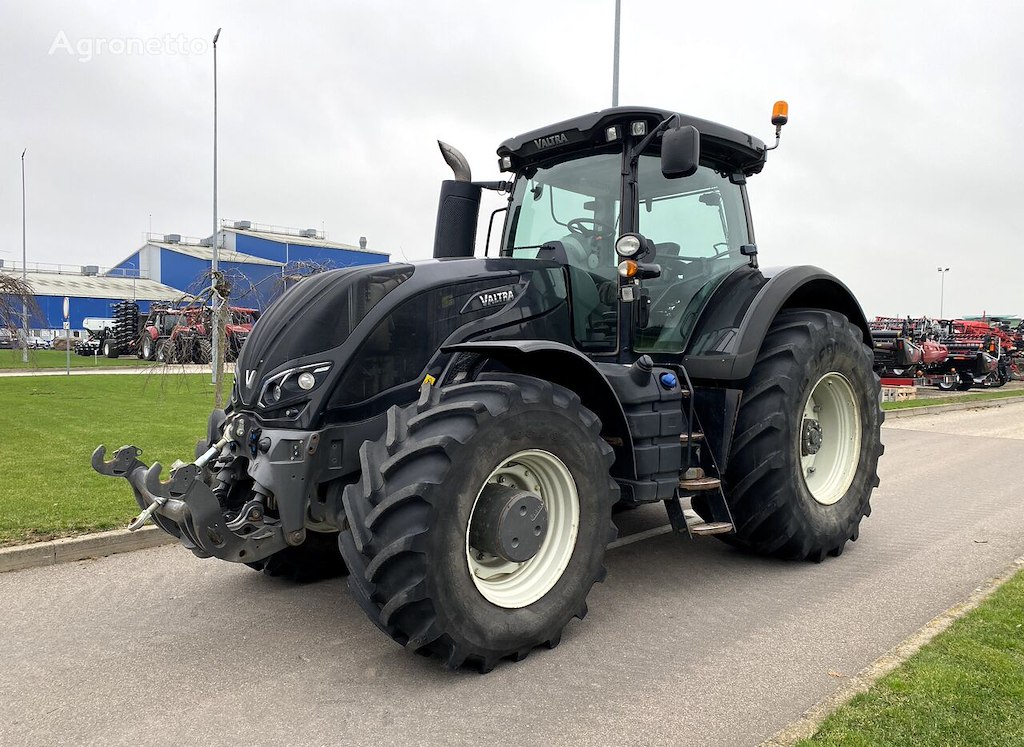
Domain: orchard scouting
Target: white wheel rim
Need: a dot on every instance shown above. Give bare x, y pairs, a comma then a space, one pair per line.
514, 585
829, 472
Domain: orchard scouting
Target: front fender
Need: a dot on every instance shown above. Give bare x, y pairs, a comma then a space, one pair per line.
568, 367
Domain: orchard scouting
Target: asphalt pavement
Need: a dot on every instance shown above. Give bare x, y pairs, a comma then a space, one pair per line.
687, 642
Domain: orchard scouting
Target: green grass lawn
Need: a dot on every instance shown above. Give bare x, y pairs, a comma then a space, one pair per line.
50, 426
10, 360
927, 401
966, 687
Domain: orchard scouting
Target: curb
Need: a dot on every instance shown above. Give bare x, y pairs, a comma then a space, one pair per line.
928, 409
69, 549
806, 726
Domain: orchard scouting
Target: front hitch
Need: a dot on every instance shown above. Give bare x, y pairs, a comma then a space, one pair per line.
185, 506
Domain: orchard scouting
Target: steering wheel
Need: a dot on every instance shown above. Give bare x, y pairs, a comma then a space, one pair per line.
585, 227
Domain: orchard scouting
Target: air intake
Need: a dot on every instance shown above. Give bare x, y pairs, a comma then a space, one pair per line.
90, 270
245, 225
308, 233
172, 238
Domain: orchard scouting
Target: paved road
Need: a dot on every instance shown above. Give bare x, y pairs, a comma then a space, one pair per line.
686, 643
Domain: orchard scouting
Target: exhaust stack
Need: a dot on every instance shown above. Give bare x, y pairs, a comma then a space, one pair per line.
458, 208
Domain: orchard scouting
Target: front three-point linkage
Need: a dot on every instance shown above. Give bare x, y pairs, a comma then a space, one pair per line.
160, 500
186, 507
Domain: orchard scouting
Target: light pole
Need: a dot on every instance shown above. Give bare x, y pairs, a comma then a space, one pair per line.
217, 351
615, 55
24, 267
942, 287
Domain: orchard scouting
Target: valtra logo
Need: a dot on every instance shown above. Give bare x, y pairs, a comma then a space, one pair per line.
493, 299
551, 140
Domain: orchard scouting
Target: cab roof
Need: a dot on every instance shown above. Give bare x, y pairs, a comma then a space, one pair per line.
729, 148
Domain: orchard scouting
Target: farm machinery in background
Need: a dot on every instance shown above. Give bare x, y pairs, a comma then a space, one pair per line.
948, 353
173, 333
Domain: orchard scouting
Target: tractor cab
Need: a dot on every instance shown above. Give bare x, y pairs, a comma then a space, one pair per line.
674, 183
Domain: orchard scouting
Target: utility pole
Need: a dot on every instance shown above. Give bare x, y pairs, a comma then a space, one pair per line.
615, 62
942, 288
24, 267
217, 346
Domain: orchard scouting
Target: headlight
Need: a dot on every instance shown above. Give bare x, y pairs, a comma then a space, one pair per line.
293, 383
628, 245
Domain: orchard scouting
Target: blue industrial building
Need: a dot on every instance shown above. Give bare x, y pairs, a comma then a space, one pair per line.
257, 260
90, 295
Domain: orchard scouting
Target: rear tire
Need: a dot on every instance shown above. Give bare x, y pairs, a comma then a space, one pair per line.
407, 544
204, 351
807, 440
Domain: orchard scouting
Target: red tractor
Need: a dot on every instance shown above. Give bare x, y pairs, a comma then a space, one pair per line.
237, 330
183, 335
160, 326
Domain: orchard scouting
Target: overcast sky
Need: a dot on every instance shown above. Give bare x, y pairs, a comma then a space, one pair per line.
903, 152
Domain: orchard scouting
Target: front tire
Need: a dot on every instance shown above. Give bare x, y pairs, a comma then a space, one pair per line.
807, 440
411, 530
165, 352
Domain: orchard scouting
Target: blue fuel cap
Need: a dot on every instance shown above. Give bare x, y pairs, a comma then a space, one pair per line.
668, 380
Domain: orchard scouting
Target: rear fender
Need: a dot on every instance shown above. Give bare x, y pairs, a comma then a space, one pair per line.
727, 351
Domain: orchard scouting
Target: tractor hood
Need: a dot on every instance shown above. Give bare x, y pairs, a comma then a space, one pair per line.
312, 317
336, 343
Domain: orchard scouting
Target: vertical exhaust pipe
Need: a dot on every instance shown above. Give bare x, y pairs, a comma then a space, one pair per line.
458, 208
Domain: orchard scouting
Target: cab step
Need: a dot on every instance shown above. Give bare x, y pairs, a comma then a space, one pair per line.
697, 484
685, 519
702, 528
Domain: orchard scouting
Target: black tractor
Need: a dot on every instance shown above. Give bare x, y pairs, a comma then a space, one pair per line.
463, 428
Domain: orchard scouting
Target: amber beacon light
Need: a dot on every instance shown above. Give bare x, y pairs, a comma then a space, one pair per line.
780, 113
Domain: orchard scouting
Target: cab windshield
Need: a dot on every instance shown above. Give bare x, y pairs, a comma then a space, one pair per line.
697, 224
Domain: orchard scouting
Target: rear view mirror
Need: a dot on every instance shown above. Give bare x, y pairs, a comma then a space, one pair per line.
680, 152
